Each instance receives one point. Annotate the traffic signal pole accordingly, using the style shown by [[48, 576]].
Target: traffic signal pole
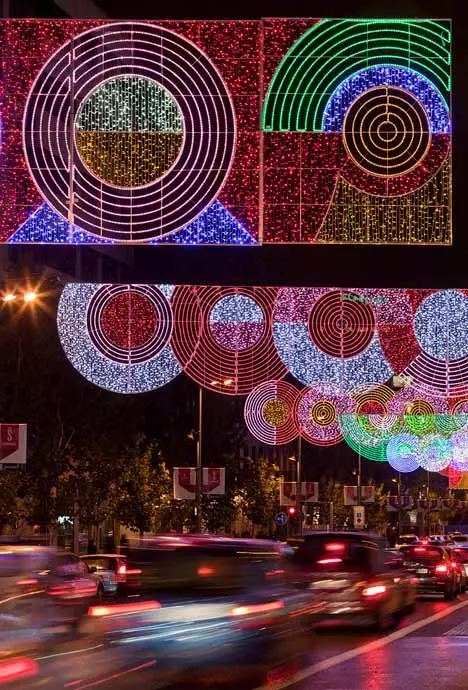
[[198, 471]]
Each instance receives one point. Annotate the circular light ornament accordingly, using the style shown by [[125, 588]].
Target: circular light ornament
[[118, 336], [441, 325], [317, 409], [434, 452], [269, 412], [386, 131], [419, 412], [236, 322], [129, 132], [317, 332], [363, 437], [154, 131], [459, 442], [460, 414], [402, 452], [223, 334]]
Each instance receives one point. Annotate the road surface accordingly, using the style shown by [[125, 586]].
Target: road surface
[[428, 650]]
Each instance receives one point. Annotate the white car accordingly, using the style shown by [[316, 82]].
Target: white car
[[110, 570]]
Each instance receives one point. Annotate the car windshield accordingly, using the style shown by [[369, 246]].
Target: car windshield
[[101, 563]]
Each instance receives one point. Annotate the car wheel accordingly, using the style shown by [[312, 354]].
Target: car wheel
[[384, 621], [449, 594]]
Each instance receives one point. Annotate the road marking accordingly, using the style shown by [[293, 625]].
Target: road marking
[[364, 649]]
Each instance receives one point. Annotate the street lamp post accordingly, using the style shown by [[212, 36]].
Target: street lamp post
[[299, 483], [198, 471], [398, 483]]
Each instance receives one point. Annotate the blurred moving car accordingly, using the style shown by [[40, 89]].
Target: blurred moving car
[[458, 563], [406, 539], [354, 577], [433, 569], [42, 592], [110, 570], [209, 606], [462, 551], [442, 539], [458, 537]]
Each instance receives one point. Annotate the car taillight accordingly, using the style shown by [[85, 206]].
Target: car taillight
[[256, 609], [335, 547], [28, 582], [14, 669], [374, 591], [205, 571], [454, 564], [122, 570], [419, 549], [441, 568], [134, 571], [120, 609], [329, 561]]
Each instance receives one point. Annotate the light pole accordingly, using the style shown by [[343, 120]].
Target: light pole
[[398, 483], [298, 460], [198, 471]]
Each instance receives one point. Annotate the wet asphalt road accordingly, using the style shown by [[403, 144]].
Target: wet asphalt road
[[428, 650]]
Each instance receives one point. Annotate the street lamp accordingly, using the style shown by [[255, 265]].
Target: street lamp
[[30, 296], [398, 483], [9, 297]]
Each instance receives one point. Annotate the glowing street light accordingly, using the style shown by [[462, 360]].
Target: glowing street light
[[9, 297], [30, 296]]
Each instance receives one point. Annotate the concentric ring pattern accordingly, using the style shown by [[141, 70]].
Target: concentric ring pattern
[[269, 412], [182, 186]]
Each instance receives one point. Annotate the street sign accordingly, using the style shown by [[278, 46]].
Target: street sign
[[359, 516], [281, 519]]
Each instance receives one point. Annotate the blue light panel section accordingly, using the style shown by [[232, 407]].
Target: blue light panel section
[[386, 75], [215, 226]]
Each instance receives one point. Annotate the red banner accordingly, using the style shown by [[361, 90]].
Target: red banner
[[351, 495], [185, 482], [288, 493], [13, 444]]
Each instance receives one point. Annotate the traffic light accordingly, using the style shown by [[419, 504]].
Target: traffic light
[[292, 511]]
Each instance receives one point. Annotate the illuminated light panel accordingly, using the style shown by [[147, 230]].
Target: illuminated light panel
[[181, 69], [129, 131], [199, 351], [302, 356], [441, 325], [216, 225], [402, 452], [342, 324], [113, 363], [387, 75], [419, 412], [334, 49], [363, 437], [459, 460], [269, 412], [434, 452], [236, 322], [316, 413], [386, 131]]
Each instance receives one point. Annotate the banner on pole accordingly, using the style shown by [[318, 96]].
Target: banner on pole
[[288, 493], [13, 444], [185, 482], [351, 495], [359, 516]]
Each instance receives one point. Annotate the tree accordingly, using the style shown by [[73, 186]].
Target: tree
[[260, 492], [145, 488]]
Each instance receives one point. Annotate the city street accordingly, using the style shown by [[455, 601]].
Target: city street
[[427, 649]]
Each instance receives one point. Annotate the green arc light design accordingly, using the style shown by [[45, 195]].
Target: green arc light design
[[334, 49]]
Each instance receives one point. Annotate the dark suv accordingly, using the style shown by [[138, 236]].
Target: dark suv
[[354, 577], [433, 569]]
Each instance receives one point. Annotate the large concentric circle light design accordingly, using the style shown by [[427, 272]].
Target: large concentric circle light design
[[118, 336], [324, 334], [148, 129], [269, 412], [402, 452], [222, 337], [317, 410], [434, 452], [386, 131], [441, 330]]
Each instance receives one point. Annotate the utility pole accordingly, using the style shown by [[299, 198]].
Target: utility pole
[[198, 471]]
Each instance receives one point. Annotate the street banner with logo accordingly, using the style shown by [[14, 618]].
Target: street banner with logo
[[13, 444], [351, 495], [405, 503], [288, 493], [185, 482]]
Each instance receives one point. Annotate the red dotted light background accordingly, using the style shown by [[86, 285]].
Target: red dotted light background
[[129, 320]]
